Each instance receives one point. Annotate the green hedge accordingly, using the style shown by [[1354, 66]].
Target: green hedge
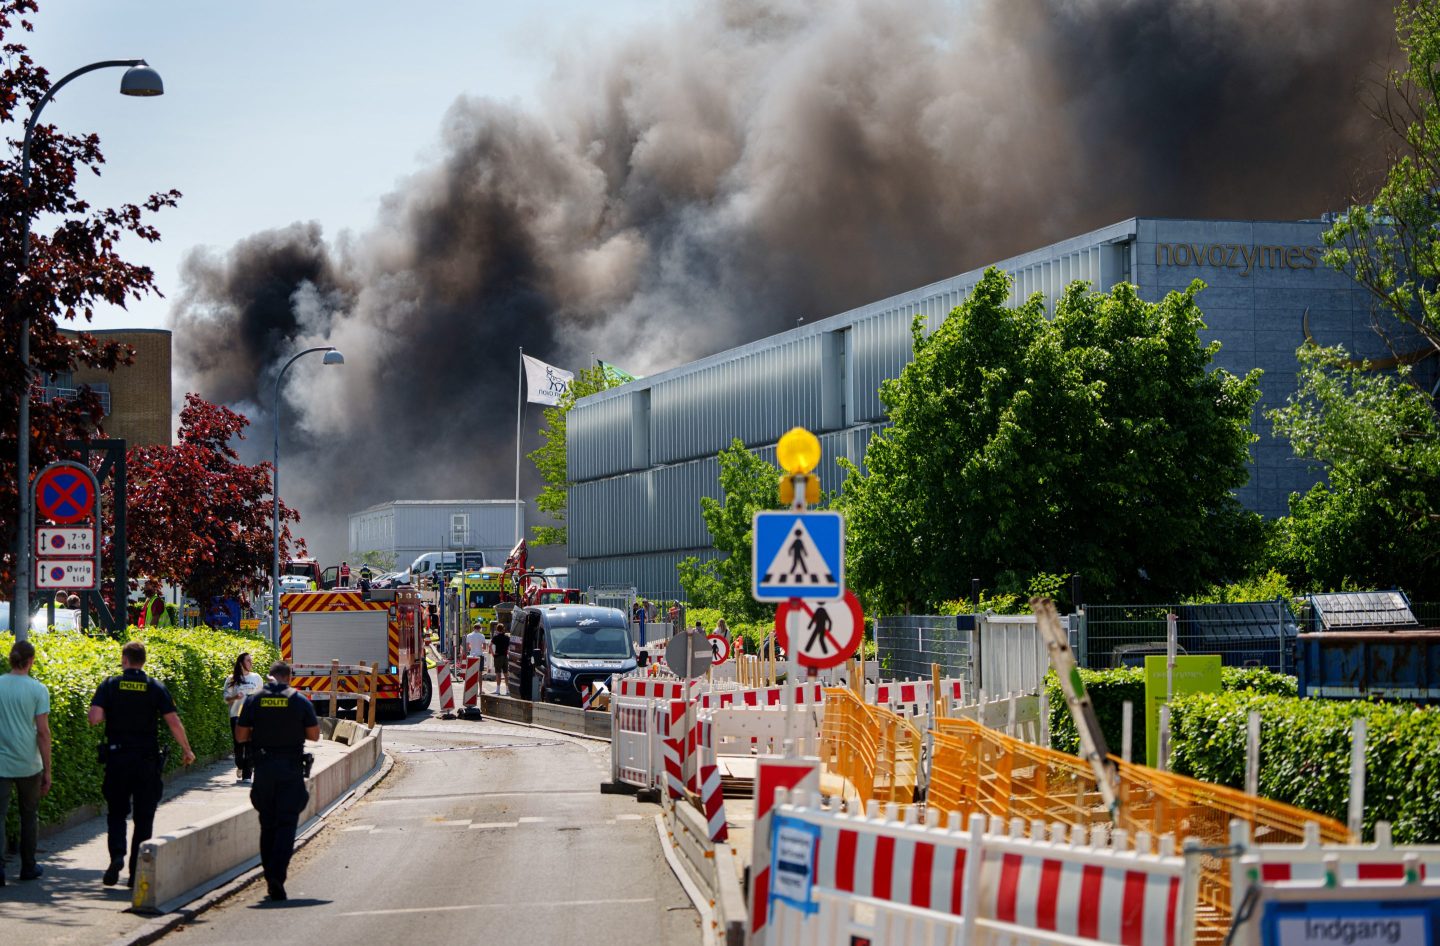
[[192, 663], [1109, 689], [1305, 755]]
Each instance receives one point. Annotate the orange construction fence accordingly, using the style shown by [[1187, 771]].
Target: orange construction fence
[[877, 753], [975, 769]]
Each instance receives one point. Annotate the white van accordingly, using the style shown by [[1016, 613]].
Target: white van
[[434, 566]]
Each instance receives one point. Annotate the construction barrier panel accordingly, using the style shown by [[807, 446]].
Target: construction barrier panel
[[876, 752], [843, 878], [979, 770]]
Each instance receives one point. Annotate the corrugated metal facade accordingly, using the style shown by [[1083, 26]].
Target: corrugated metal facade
[[408, 529], [640, 456]]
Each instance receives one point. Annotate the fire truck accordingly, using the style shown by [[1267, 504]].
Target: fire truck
[[385, 627]]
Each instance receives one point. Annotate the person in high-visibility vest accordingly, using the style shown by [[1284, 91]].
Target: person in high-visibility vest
[[152, 611]]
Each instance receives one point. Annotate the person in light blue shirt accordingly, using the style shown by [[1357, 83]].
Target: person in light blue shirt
[[24, 751]]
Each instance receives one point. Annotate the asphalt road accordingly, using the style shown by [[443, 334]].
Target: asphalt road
[[483, 832]]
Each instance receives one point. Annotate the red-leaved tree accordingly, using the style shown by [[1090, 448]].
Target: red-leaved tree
[[198, 517], [74, 265]]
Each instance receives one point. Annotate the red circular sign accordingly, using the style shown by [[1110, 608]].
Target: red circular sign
[[65, 493], [835, 629], [719, 649]]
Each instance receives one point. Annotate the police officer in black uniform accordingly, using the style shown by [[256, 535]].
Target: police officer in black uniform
[[130, 705], [276, 722]]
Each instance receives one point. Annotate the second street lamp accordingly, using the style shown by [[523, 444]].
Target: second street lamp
[[139, 80], [332, 357]]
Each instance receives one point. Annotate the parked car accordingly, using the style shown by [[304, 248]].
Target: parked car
[[556, 649]]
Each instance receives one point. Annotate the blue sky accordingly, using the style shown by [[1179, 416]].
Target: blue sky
[[283, 111]]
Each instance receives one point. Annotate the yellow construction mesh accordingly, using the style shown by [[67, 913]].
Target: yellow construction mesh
[[874, 751], [975, 769]]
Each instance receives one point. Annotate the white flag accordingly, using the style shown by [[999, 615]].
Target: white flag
[[544, 383]]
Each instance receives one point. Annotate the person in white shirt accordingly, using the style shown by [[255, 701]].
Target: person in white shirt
[[241, 683], [475, 643]]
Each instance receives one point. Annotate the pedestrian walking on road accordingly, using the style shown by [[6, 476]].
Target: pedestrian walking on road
[[344, 574], [277, 722], [242, 682], [24, 753], [500, 645], [130, 705]]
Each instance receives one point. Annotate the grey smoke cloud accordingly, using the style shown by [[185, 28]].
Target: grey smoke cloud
[[742, 164]]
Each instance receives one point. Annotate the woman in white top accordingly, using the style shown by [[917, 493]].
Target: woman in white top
[[240, 684]]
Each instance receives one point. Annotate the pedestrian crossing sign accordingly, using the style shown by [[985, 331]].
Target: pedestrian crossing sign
[[798, 554]]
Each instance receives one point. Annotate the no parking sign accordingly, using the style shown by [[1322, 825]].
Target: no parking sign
[[67, 494]]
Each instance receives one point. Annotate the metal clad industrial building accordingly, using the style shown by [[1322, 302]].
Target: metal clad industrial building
[[640, 456], [408, 528]]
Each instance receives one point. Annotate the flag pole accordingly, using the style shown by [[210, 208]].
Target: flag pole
[[519, 406]]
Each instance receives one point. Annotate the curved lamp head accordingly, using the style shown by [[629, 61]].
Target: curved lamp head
[[333, 357], [141, 80]]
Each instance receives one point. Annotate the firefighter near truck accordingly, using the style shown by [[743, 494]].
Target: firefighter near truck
[[385, 627]]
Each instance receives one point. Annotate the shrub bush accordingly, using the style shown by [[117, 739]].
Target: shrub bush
[[1109, 689], [1305, 755], [192, 663]]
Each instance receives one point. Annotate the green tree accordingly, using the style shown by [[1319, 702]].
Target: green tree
[[1390, 243], [1097, 442], [1376, 521], [549, 458], [378, 560], [747, 485]]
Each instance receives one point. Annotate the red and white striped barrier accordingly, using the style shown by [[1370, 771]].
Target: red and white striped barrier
[[1310, 862], [810, 693], [712, 797], [447, 692], [771, 775], [648, 689], [472, 681], [679, 751], [927, 884]]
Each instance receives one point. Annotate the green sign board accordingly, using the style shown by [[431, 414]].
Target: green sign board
[[1193, 674]]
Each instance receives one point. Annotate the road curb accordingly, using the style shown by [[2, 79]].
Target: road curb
[[697, 899], [158, 927]]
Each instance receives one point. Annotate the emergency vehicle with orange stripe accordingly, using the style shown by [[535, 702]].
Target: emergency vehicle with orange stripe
[[385, 627]]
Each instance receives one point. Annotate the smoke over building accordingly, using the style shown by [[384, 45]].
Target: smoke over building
[[743, 164]]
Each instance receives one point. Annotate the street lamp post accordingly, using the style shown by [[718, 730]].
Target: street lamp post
[[332, 357], [139, 80]]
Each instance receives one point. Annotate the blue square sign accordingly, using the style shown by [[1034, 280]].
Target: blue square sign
[[798, 554]]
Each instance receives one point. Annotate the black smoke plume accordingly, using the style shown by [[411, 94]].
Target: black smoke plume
[[745, 163]]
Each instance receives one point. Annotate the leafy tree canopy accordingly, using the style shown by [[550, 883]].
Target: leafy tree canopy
[[198, 517], [748, 485], [1376, 521], [549, 458], [378, 560], [1391, 243], [74, 266], [1095, 442]]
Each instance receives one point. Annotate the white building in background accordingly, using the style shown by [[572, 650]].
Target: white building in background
[[405, 529]]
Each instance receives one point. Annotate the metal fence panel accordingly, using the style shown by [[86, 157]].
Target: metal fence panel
[[908, 644], [1245, 634]]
